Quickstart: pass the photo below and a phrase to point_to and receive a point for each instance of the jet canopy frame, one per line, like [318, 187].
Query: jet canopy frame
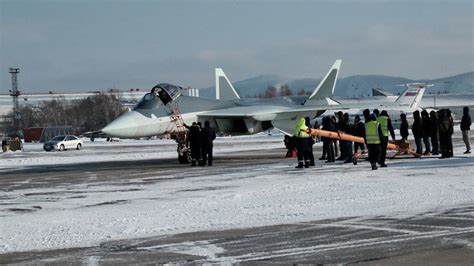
[167, 92]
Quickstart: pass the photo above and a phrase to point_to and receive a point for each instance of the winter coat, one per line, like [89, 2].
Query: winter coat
[445, 126]
[404, 129]
[194, 135]
[427, 127]
[466, 122]
[300, 129]
[208, 136]
[417, 128]
[359, 129]
[434, 126]
[347, 127]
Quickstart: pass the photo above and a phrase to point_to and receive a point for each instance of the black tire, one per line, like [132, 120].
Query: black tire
[79, 146]
[182, 159]
[62, 148]
[185, 158]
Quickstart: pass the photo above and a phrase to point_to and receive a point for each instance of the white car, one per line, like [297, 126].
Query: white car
[63, 142]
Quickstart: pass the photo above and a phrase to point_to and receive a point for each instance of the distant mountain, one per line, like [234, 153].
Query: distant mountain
[350, 87]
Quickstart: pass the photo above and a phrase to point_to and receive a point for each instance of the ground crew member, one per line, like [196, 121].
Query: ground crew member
[387, 127]
[208, 136]
[417, 131]
[445, 133]
[426, 131]
[450, 133]
[373, 135]
[366, 114]
[328, 143]
[465, 128]
[194, 143]
[359, 131]
[342, 143]
[310, 142]
[347, 128]
[434, 133]
[404, 126]
[302, 145]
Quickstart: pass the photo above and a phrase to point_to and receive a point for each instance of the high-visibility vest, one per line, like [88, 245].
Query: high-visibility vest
[372, 132]
[300, 130]
[383, 121]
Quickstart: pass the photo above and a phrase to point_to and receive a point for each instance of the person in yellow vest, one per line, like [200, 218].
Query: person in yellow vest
[302, 143]
[386, 125]
[373, 136]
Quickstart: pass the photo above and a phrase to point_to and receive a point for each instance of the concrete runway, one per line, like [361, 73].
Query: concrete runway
[441, 237]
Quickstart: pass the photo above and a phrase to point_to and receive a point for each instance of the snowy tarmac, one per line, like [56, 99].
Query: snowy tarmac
[131, 202]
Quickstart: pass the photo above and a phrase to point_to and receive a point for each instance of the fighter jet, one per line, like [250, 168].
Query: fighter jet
[165, 110]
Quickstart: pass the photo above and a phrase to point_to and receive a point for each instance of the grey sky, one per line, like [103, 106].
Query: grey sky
[95, 45]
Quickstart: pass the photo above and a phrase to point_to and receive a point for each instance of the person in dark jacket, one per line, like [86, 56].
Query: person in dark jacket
[325, 152]
[342, 143]
[465, 128]
[310, 142]
[328, 144]
[194, 143]
[335, 142]
[359, 131]
[417, 131]
[426, 125]
[347, 128]
[404, 126]
[434, 133]
[366, 114]
[444, 125]
[450, 133]
[208, 137]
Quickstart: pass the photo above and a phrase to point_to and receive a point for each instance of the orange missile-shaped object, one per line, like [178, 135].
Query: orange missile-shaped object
[344, 136]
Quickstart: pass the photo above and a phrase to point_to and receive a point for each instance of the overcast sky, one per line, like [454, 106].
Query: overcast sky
[96, 45]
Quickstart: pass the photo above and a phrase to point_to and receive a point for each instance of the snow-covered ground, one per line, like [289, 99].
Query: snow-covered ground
[126, 150]
[214, 198]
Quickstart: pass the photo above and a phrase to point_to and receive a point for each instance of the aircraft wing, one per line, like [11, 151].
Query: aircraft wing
[282, 118]
[261, 112]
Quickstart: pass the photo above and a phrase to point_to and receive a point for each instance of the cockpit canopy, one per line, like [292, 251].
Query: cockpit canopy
[163, 92]
[167, 92]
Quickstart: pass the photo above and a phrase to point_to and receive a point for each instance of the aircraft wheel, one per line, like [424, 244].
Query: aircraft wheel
[184, 159]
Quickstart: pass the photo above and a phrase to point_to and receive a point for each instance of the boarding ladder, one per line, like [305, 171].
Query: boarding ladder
[176, 118]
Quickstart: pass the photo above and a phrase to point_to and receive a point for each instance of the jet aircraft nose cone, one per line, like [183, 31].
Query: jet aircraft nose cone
[123, 126]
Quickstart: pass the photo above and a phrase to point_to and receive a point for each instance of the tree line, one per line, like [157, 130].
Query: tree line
[82, 115]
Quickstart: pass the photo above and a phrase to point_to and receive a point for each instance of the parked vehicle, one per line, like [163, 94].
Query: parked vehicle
[63, 142]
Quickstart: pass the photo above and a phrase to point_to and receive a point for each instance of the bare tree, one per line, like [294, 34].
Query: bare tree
[88, 114]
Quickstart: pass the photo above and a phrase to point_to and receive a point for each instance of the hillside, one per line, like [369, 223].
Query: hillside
[350, 87]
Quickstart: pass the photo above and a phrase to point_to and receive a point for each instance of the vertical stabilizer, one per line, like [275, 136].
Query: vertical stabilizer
[326, 87]
[224, 89]
[412, 95]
